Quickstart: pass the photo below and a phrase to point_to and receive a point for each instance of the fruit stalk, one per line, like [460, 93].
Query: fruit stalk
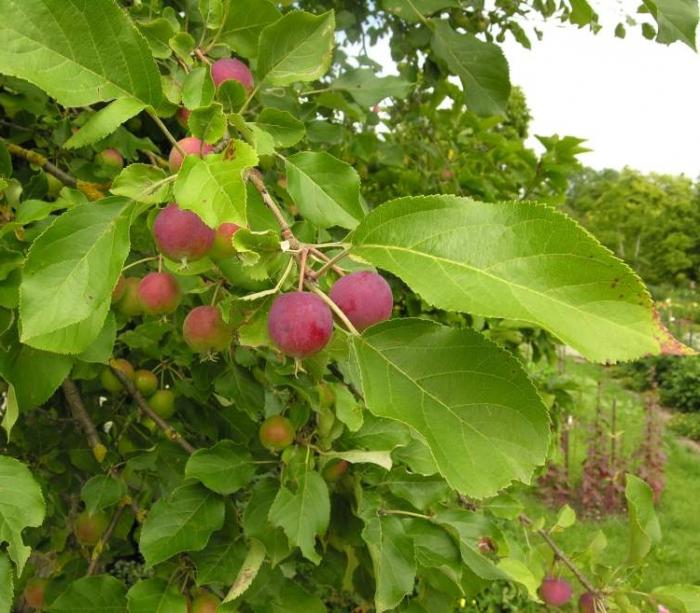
[75, 402]
[558, 553]
[256, 179]
[169, 431]
[104, 539]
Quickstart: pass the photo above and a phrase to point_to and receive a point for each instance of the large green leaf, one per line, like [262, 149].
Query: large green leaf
[414, 10]
[225, 468]
[21, 506]
[256, 524]
[517, 260]
[285, 129]
[220, 561]
[101, 594]
[481, 67]
[644, 527]
[244, 22]
[297, 47]
[368, 89]
[105, 121]
[214, 188]
[326, 190]
[78, 52]
[304, 513]
[677, 20]
[471, 401]
[679, 597]
[70, 273]
[101, 492]
[183, 521]
[155, 596]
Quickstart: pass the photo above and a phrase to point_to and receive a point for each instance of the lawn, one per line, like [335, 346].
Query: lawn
[677, 558]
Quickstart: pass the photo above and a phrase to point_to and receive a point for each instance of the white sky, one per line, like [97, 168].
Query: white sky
[635, 101]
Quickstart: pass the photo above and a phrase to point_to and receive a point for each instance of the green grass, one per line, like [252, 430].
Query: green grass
[677, 558]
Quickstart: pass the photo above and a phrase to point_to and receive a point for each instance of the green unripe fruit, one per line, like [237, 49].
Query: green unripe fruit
[163, 403]
[34, 592]
[334, 470]
[89, 528]
[146, 382]
[148, 423]
[205, 603]
[130, 304]
[125, 446]
[276, 433]
[110, 158]
[110, 381]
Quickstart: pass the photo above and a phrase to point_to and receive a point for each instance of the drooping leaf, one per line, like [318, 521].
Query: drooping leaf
[249, 570]
[214, 188]
[297, 47]
[413, 10]
[456, 389]
[326, 190]
[354, 456]
[244, 22]
[521, 261]
[225, 468]
[155, 596]
[143, 183]
[220, 560]
[183, 521]
[677, 20]
[21, 506]
[481, 66]
[368, 89]
[69, 275]
[644, 528]
[304, 513]
[100, 594]
[68, 49]
[105, 121]
[101, 492]
[285, 129]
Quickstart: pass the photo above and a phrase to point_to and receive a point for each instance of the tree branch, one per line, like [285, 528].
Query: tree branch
[104, 539]
[558, 553]
[256, 179]
[75, 402]
[169, 431]
[93, 191]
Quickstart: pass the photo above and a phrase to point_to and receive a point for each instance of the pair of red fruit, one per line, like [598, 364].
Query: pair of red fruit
[557, 592]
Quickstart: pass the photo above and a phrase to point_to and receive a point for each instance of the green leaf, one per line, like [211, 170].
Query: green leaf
[677, 20]
[102, 492]
[158, 32]
[304, 513]
[212, 12]
[69, 275]
[582, 13]
[566, 518]
[105, 121]
[214, 188]
[355, 456]
[458, 390]
[7, 584]
[392, 553]
[413, 10]
[368, 89]
[100, 594]
[249, 570]
[481, 67]
[225, 468]
[9, 418]
[21, 506]
[326, 190]
[220, 561]
[155, 596]
[143, 183]
[286, 130]
[644, 527]
[520, 572]
[183, 521]
[198, 88]
[244, 22]
[681, 598]
[68, 48]
[297, 47]
[256, 524]
[208, 123]
[102, 348]
[516, 260]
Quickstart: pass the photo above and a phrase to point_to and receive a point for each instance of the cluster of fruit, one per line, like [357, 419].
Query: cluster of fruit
[557, 592]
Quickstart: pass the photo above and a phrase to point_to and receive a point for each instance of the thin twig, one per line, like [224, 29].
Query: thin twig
[324, 258]
[75, 402]
[302, 268]
[169, 431]
[329, 264]
[104, 539]
[201, 56]
[164, 129]
[404, 513]
[256, 179]
[93, 191]
[583, 580]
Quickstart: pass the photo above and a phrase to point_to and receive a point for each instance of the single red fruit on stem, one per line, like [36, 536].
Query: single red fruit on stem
[365, 298]
[34, 592]
[588, 602]
[231, 69]
[205, 603]
[119, 289]
[190, 145]
[300, 324]
[182, 235]
[111, 158]
[159, 293]
[276, 433]
[335, 469]
[89, 528]
[222, 247]
[555, 592]
[205, 330]
[163, 403]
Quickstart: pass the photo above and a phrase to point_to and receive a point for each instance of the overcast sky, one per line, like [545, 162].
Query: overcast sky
[635, 101]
